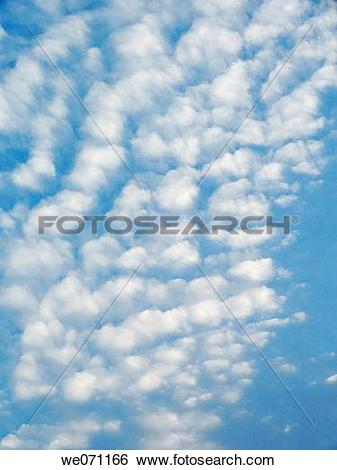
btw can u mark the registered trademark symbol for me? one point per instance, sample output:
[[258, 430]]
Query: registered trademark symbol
[[295, 219]]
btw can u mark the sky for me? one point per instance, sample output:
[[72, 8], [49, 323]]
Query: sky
[[111, 107]]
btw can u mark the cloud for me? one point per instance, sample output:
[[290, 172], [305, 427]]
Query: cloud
[[285, 367], [332, 379], [177, 191], [182, 431], [38, 259], [223, 45], [167, 84], [267, 26], [94, 166], [254, 270], [74, 434]]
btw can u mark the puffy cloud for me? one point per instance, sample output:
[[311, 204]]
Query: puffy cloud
[[31, 259], [181, 254], [100, 254], [222, 46], [266, 25], [284, 367], [59, 301], [301, 157], [18, 298], [94, 167], [74, 434], [177, 191], [83, 386], [287, 368], [255, 300], [166, 429], [253, 270], [167, 84], [332, 379], [238, 198], [240, 164]]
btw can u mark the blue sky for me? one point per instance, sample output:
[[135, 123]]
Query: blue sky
[[167, 84]]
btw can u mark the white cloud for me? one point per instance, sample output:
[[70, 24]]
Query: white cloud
[[254, 270], [287, 368], [166, 429], [75, 434], [177, 191], [266, 25], [332, 379], [94, 167], [167, 84], [221, 47], [38, 259]]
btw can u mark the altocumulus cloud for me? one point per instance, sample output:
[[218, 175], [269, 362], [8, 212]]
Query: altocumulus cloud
[[167, 83]]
